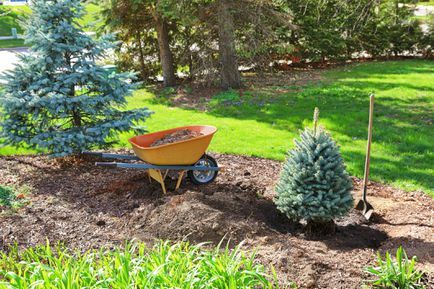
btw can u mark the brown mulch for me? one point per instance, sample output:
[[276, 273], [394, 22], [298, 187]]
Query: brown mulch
[[194, 96], [176, 136], [87, 207]]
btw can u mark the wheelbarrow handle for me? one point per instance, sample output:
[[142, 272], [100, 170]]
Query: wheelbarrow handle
[[96, 154], [106, 164], [112, 156]]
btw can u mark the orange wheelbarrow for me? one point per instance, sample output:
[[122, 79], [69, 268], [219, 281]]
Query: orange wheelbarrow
[[186, 156]]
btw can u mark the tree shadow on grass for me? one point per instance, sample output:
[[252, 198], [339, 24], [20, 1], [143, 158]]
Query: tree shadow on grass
[[413, 169], [401, 126]]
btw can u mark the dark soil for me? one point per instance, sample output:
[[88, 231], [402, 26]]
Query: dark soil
[[87, 207], [176, 136]]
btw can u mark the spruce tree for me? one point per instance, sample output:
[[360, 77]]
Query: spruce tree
[[314, 185], [59, 99]]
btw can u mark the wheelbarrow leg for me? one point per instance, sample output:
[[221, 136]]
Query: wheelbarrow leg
[[165, 174], [149, 176], [156, 175], [180, 176]]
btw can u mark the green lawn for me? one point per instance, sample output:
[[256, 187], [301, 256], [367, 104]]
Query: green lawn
[[264, 121], [426, 3], [12, 198], [9, 43], [10, 16]]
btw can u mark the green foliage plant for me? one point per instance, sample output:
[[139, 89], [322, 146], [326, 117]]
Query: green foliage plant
[[165, 265], [314, 185], [59, 99], [12, 198], [398, 274]]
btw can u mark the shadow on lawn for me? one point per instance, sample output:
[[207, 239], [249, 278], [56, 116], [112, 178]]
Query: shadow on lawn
[[402, 136], [402, 126], [411, 169]]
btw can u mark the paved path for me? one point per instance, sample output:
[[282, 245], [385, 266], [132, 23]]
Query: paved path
[[422, 10], [8, 57]]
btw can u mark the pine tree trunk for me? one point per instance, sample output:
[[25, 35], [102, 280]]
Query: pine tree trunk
[[141, 56], [188, 51], [318, 228], [230, 76], [76, 116], [166, 57]]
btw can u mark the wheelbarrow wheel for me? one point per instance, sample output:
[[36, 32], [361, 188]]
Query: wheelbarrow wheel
[[203, 177]]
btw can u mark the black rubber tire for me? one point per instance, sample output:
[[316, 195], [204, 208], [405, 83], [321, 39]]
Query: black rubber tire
[[196, 181]]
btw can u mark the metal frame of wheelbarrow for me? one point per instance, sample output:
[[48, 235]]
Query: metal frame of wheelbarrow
[[154, 171]]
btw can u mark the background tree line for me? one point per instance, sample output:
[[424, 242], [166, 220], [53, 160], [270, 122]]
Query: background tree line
[[211, 40]]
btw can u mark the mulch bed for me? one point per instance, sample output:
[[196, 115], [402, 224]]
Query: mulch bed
[[88, 207]]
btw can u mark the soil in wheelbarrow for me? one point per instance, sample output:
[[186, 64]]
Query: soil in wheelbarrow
[[88, 207], [176, 136]]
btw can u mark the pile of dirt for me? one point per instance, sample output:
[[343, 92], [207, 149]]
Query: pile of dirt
[[89, 207], [176, 136]]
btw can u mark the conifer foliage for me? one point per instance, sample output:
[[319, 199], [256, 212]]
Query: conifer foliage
[[314, 185], [59, 99]]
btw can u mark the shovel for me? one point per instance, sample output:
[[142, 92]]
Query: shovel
[[363, 204]]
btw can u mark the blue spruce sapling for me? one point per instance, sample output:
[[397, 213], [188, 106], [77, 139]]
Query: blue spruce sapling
[[314, 185], [59, 99]]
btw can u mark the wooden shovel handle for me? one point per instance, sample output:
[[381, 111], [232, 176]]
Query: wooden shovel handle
[[368, 147]]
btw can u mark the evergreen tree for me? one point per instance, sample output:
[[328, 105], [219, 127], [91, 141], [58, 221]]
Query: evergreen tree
[[314, 185], [59, 99]]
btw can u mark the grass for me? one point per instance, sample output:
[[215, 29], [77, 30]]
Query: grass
[[426, 3], [11, 15], [399, 273], [12, 198], [90, 20], [10, 43], [264, 121], [165, 265]]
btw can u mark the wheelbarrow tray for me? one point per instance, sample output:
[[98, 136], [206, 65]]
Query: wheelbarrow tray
[[186, 152]]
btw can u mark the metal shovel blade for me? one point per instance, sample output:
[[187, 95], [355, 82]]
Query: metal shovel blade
[[366, 209]]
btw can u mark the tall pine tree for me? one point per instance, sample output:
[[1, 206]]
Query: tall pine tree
[[314, 185], [59, 99]]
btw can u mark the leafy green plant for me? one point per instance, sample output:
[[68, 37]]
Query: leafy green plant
[[398, 274], [165, 265], [12, 198]]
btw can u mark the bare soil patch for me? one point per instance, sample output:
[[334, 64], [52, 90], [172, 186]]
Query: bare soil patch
[[87, 207]]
